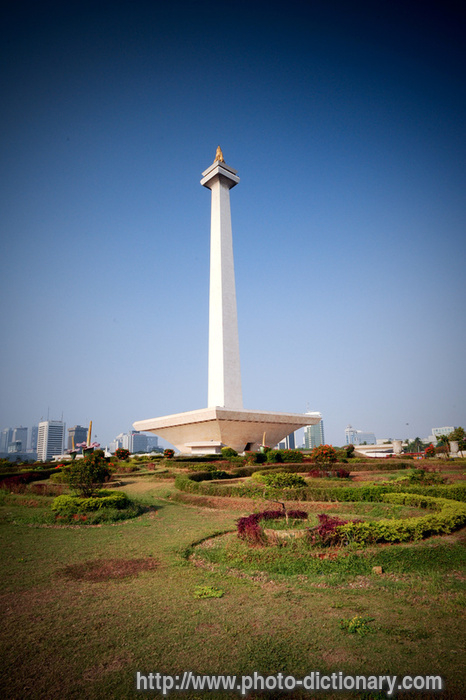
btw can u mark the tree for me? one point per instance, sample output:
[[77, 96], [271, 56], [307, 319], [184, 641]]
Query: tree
[[430, 451], [324, 454], [87, 475], [459, 435], [416, 445], [349, 449]]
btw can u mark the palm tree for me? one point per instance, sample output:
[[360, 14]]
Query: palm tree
[[418, 445], [443, 440]]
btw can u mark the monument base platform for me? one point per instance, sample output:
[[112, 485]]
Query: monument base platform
[[207, 430]]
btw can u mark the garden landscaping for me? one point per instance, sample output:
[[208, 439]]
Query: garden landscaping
[[222, 567]]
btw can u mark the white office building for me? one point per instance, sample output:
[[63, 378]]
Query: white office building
[[134, 441], [358, 437], [438, 432], [50, 439]]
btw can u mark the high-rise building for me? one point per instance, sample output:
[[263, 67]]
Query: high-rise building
[[33, 438], [138, 442], [5, 439], [50, 439], [76, 434], [20, 435], [152, 443], [314, 435], [358, 437], [288, 443], [134, 441]]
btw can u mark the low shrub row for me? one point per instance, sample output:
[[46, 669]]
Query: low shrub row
[[449, 516], [275, 457], [70, 505], [211, 474], [15, 482], [187, 484], [309, 493], [279, 479], [125, 468]]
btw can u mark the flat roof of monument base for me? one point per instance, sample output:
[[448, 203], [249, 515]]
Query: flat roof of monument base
[[240, 429], [202, 443]]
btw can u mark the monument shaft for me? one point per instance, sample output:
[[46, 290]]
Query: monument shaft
[[224, 377], [224, 421]]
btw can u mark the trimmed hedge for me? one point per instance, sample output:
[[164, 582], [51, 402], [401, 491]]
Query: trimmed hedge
[[185, 483], [25, 477], [450, 515], [373, 493], [69, 505], [280, 479]]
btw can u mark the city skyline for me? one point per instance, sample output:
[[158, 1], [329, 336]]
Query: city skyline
[[346, 126], [298, 437]]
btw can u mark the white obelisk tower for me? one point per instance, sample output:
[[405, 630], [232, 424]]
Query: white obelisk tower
[[224, 421], [224, 386]]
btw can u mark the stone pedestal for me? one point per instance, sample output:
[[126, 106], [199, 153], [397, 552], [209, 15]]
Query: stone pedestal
[[208, 429]]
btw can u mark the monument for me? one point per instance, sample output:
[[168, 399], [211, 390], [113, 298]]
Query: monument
[[224, 422]]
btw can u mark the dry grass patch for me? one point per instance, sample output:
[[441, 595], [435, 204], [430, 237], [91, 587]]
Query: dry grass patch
[[99, 570]]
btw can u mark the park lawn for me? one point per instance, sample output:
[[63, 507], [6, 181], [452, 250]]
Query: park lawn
[[66, 637]]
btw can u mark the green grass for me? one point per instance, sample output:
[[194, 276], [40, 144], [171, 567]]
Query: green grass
[[65, 637], [297, 559]]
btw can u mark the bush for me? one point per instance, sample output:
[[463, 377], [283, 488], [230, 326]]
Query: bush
[[13, 481], [328, 532], [255, 457], [60, 477], [46, 489], [274, 456], [283, 456], [228, 452], [168, 453], [210, 474], [292, 456], [349, 449], [329, 473], [280, 479], [121, 453], [422, 476], [324, 454], [128, 468], [87, 475]]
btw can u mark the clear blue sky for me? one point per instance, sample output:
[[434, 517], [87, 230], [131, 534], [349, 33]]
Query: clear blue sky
[[346, 123]]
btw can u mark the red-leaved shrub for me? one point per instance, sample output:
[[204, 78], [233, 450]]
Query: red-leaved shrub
[[329, 473], [326, 533], [249, 529]]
